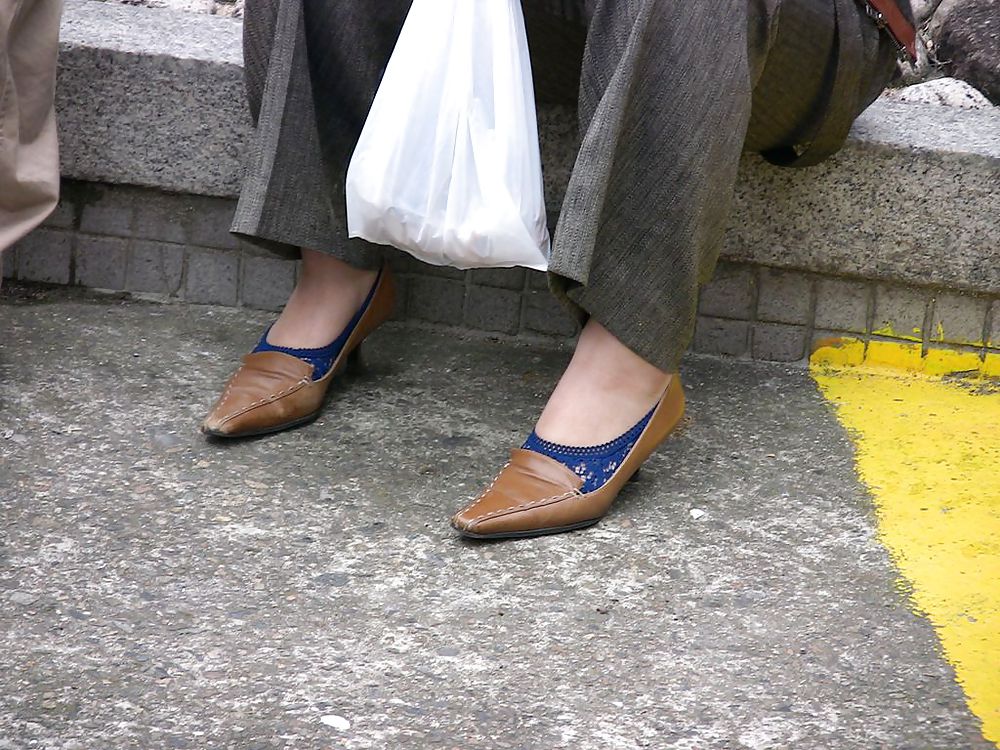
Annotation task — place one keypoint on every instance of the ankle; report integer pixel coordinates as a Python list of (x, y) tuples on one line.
[(618, 380), (323, 276), (606, 390), (585, 413), (332, 290), (327, 295)]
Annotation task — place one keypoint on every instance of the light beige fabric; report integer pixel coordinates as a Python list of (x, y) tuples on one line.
[(29, 151)]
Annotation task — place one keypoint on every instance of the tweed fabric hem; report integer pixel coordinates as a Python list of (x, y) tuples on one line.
[(288, 200)]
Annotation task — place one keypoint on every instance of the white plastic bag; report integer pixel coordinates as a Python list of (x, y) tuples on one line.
[(447, 166)]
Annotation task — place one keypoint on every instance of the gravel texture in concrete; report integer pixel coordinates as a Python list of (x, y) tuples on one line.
[(305, 590)]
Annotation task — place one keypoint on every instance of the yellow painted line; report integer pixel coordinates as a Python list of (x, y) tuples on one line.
[(903, 357), (928, 448), (915, 334)]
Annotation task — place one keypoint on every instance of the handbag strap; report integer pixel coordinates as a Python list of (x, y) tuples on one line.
[(890, 19)]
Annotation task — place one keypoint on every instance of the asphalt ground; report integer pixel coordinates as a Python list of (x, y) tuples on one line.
[(304, 590)]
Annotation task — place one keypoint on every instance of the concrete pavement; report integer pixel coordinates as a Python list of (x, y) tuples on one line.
[(305, 590)]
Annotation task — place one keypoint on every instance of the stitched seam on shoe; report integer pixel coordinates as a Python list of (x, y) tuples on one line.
[(484, 493), (266, 400), (527, 506), (229, 387)]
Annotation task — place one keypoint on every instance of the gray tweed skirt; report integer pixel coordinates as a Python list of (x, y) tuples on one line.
[(669, 94)]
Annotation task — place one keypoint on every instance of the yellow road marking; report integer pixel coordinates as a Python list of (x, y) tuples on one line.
[(928, 448)]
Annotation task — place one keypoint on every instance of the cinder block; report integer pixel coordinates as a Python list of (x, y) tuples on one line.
[(445, 272), (402, 290), (44, 255), (420, 268), (108, 210), (729, 294), (842, 305), (402, 262), (948, 359), (100, 262), (209, 222), (502, 278), (162, 217), (899, 312), (64, 214), (959, 319), (155, 267), (537, 279), (212, 277), (435, 299), (266, 249), (784, 297), (720, 336), (779, 343), (267, 282), (993, 332), (490, 309), (838, 339), (8, 261), (544, 314)]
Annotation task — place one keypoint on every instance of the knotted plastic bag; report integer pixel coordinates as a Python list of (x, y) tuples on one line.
[(447, 166)]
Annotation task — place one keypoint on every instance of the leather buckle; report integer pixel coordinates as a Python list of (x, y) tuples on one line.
[(876, 15), (902, 53)]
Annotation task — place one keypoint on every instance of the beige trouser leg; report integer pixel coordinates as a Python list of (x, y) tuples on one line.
[(29, 151)]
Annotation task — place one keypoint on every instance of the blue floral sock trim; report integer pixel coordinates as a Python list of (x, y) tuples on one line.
[(323, 357), (594, 464)]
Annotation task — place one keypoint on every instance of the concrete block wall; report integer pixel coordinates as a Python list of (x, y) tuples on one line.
[(177, 247), (779, 315)]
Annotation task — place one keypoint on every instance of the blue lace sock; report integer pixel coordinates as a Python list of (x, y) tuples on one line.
[(321, 358), (594, 464)]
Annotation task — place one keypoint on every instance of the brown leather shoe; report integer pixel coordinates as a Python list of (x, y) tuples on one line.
[(273, 391), (535, 494)]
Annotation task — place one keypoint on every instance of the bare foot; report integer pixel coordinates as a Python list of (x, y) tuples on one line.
[(328, 294), (606, 389)]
